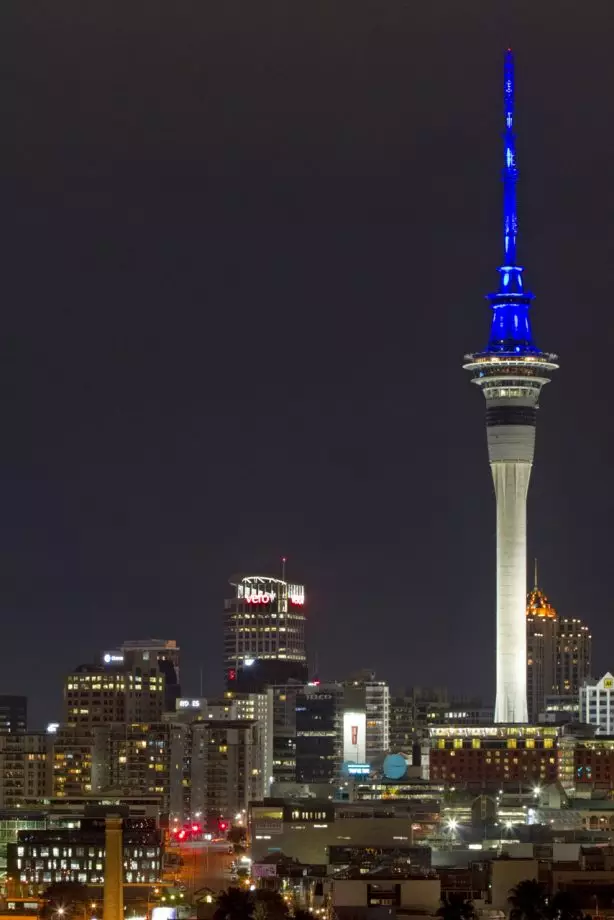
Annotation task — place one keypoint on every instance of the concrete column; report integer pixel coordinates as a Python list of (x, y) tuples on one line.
[(511, 482), (114, 869)]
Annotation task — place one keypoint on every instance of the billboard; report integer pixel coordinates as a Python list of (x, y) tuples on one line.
[(354, 736)]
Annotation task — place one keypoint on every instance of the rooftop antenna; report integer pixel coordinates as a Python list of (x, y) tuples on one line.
[(535, 575), (283, 567)]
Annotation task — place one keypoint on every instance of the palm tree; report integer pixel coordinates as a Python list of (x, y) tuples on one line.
[(234, 904), (528, 901), (455, 906)]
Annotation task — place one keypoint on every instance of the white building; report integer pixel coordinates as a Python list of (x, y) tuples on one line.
[(597, 704), (364, 693)]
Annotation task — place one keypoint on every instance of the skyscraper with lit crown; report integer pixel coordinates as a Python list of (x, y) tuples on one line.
[(511, 372)]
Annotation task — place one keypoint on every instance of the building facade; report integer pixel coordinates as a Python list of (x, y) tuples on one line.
[(121, 689), (142, 757), (574, 655), (58, 855), (284, 731), (363, 691), (597, 704), (225, 769), (166, 653), (13, 714), (542, 634), (264, 633), (25, 767), (319, 732), (493, 757)]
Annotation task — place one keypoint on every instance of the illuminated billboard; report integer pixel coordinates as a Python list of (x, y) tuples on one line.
[(354, 737)]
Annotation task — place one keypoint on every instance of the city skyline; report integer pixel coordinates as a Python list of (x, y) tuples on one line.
[(231, 337)]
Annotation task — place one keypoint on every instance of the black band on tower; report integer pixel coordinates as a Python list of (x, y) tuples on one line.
[(511, 415)]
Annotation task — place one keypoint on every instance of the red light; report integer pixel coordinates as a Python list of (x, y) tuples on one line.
[(181, 835), (223, 825), (195, 828), (232, 674)]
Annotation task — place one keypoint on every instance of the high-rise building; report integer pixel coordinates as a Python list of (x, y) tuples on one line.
[(401, 723), (366, 693), (24, 767), (121, 689), (13, 714), (256, 708), (264, 633), (597, 704), (319, 733), (542, 631), (166, 653), (225, 769), (71, 761), (284, 731), (511, 372), (142, 757), (573, 655)]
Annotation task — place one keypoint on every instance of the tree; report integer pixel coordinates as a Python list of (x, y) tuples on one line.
[(455, 906), (300, 914), (528, 901), (272, 901), (234, 904), (66, 900), (563, 906)]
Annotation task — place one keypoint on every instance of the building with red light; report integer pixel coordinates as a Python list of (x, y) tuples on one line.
[(493, 756), (264, 633)]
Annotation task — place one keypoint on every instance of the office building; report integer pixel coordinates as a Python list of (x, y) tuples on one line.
[(364, 692), (597, 704), (225, 769), (59, 855), (122, 688), (25, 768), (542, 634), (511, 372), (142, 757), (13, 714), (284, 731), (320, 719), (264, 633), (573, 661), (166, 653)]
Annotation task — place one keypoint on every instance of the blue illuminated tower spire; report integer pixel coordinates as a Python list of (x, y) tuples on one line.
[(511, 372), (511, 326)]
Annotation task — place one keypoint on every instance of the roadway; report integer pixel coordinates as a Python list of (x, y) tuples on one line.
[(204, 864)]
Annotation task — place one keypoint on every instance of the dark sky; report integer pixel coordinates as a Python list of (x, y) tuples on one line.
[(245, 246)]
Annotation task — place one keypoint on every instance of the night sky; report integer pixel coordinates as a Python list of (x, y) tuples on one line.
[(245, 246)]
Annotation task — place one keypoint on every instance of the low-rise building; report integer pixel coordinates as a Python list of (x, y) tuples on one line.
[(493, 756), (40, 858), (307, 829)]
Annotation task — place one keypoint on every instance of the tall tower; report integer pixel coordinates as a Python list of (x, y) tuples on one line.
[(511, 372)]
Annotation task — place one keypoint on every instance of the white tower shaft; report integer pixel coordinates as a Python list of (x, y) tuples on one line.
[(511, 480)]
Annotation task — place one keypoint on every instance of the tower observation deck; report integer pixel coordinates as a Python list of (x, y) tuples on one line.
[(511, 372)]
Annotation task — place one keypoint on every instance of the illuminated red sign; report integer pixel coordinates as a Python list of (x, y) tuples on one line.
[(232, 674), (262, 597), (298, 599), (354, 734)]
